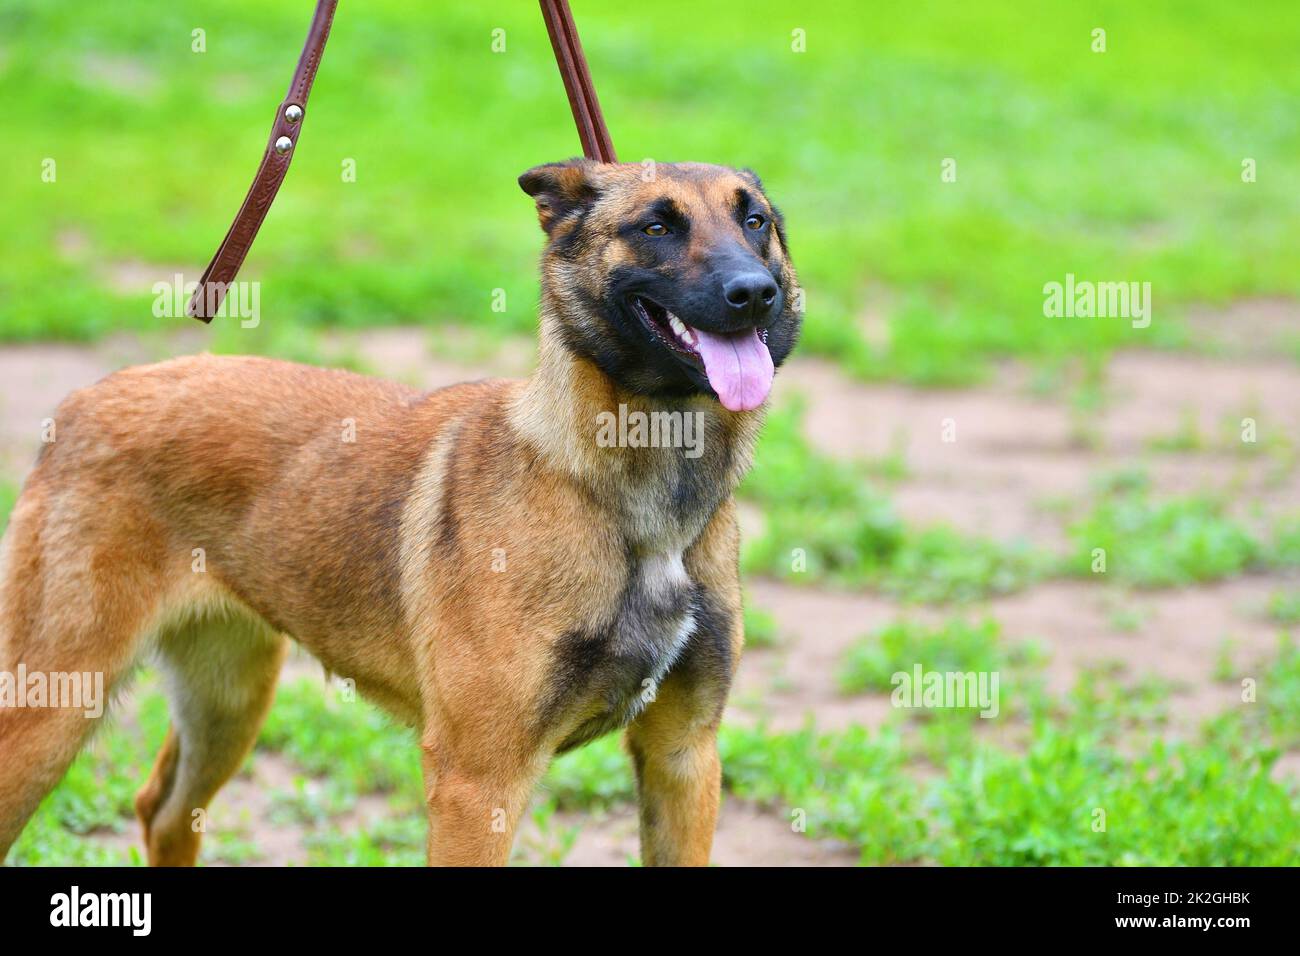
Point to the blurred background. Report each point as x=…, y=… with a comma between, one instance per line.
x=943, y=463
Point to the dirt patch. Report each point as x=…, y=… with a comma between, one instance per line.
x=794, y=682
x=433, y=359
x=989, y=461
x=133, y=277
x=122, y=74
x=1153, y=394
x=746, y=836
x=980, y=460
x=1174, y=636
x=1251, y=329
x=35, y=379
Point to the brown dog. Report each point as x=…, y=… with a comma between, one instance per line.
x=512, y=567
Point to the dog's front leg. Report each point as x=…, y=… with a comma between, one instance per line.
x=674, y=749
x=679, y=779
x=475, y=798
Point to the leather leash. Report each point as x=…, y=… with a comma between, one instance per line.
x=289, y=117
x=596, y=143
x=221, y=271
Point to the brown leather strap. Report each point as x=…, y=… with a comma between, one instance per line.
x=596, y=143
x=280, y=148
x=225, y=264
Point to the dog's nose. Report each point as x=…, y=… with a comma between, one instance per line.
x=749, y=294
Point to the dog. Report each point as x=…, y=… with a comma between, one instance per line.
x=474, y=558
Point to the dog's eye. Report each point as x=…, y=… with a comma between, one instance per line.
x=755, y=222
x=656, y=229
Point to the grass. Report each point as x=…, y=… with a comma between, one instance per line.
x=357, y=745
x=1139, y=540
x=1284, y=548
x=343, y=751
x=827, y=521
x=1281, y=689
x=397, y=841
x=96, y=795
x=761, y=629
x=1087, y=761
x=1186, y=438
x=1284, y=607
x=1123, y=165
x=955, y=645
x=845, y=785
x=8, y=495
x=590, y=778
x=1116, y=166
x=1268, y=710
x=1179, y=805
x=1207, y=803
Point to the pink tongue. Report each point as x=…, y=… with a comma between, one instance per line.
x=739, y=367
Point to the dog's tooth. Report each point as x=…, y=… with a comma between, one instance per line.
x=681, y=330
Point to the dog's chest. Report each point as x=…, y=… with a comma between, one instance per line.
x=613, y=674
x=656, y=616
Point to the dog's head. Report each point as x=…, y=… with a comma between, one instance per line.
x=673, y=278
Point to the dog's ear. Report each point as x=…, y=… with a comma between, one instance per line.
x=559, y=189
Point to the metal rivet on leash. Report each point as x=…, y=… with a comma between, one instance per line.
x=230, y=255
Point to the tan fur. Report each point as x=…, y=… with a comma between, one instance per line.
x=378, y=556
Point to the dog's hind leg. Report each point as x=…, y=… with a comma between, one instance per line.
x=220, y=673
x=74, y=605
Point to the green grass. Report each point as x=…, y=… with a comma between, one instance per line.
x=96, y=795
x=1209, y=802
x=357, y=749
x=396, y=841
x=1123, y=165
x=1101, y=703
x=1284, y=607
x=343, y=749
x=1150, y=542
x=590, y=778
x=761, y=629
x=1284, y=548
x=8, y=495
x=848, y=785
x=356, y=745
x=937, y=734
x=1272, y=712
x=1167, y=806
x=827, y=521
x=1185, y=439
x=956, y=645
x=1280, y=691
